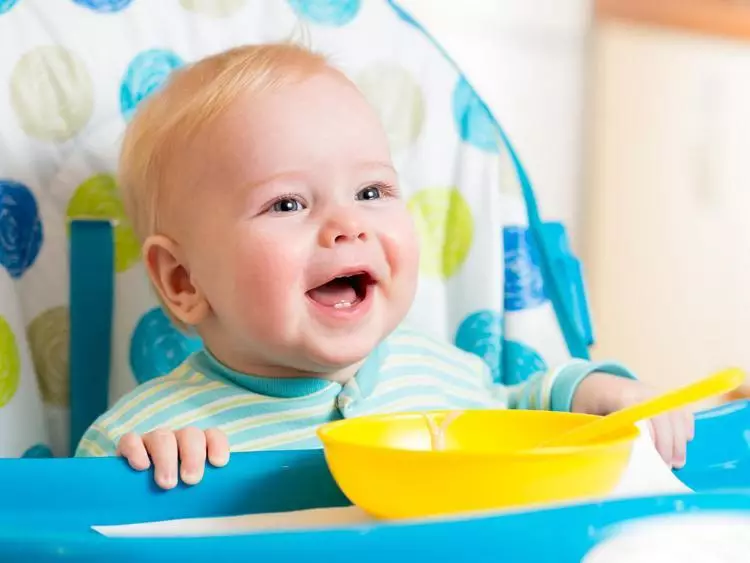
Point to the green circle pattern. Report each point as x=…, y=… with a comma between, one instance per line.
x=10, y=363
x=49, y=336
x=98, y=197
x=398, y=99
x=445, y=227
x=51, y=93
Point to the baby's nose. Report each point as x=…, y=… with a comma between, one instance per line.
x=342, y=229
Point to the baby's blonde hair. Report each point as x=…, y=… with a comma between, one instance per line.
x=191, y=99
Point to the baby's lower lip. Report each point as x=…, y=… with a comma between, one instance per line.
x=343, y=304
x=345, y=310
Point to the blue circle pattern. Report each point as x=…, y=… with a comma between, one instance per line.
x=38, y=451
x=146, y=73
x=524, y=282
x=6, y=5
x=520, y=362
x=106, y=6
x=327, y=12
x=20, y=228
x=157, y=347
x=474, y=121
x=481, y=333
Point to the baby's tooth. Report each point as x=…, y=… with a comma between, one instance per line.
x=342, y=305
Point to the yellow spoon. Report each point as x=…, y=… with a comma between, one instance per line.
x=717, y=384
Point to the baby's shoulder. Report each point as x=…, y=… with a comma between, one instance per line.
x=184, y=375
x=164, y=391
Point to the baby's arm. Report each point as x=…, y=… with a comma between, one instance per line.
x=157, y=424
x=556, y=388
x=96, y=442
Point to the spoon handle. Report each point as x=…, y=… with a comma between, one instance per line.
x=717, y=384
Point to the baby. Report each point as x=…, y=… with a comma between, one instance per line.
x=261, y=185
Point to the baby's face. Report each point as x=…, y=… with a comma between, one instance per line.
x=295, y=230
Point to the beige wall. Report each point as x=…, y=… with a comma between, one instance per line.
x=668, y=194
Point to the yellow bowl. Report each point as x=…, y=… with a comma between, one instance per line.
x=385, y=464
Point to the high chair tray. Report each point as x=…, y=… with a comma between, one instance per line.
x=47, y=508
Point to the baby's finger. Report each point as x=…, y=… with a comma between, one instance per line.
x=162, y=447
x=679, y=440
x=131, y=448
x=217, y=445
x=191, y=445
x=663, y=438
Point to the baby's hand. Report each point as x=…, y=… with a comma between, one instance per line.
x=602, y=394
x=163, y=447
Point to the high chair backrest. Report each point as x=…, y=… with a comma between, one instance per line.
x=79, y=325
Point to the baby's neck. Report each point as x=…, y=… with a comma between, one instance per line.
x=279, y=371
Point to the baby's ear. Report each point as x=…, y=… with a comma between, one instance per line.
x=171, y=278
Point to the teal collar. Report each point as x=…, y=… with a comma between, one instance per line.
x=281, y=387
x=361, y=385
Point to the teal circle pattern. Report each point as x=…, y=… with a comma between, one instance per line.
x=6, y=5
x=157, y=347
x=520, y=362
x=334, y=13
x=473, y=119
x=104, y=6
x=145, y=74
x=481, y=333
x=38, y=451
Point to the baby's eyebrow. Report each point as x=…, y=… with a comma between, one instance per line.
x=301, y=176
x=286, y=176
x=377, y=165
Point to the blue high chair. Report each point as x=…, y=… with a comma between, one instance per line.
x=524, y=273
x=49, y=506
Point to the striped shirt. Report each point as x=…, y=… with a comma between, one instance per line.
x=408, y=371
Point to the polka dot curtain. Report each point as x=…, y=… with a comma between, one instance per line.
x=72, y=72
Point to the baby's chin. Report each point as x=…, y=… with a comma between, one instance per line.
x=335, y=354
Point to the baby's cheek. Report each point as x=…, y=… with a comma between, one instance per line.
x=402, y=247
x=266, y=278
x=410, y=275
x=257, y=279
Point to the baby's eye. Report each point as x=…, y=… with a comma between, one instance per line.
x=370, y=192
x=287, y=205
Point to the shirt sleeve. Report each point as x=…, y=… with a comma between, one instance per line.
x=96, y=442
x=554, y=390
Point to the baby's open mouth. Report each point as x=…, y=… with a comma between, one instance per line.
x=343, y=292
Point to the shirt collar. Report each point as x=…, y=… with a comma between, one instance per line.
x=280, y=387
x=362, y=384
